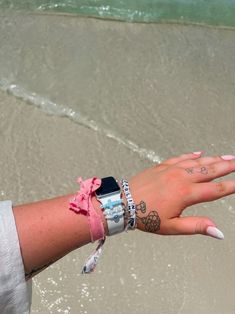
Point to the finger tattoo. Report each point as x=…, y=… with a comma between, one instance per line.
x=189, y=170
x=202, y=170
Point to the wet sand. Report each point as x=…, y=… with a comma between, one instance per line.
x=171, y=90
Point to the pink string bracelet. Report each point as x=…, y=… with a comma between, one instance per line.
x=82, y=204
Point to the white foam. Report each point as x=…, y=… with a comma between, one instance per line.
x=52, y=108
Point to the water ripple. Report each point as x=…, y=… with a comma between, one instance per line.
x=52, y=108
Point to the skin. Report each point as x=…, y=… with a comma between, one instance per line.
x=177, y=183
x=48, y=230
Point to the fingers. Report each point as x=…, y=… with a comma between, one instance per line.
x=175, y=160
x=207, y=172
x=210, y=191
x=194, y=160
x=204, y=161
x=193, y=225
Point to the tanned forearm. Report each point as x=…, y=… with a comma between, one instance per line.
x=48, y=230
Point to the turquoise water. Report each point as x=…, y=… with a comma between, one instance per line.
x=216, y=12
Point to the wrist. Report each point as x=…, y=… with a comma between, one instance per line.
x=136, y=200
x=99, y=211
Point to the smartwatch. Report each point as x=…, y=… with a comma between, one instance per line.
x=109, y=195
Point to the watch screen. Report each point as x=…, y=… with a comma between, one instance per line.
x=108, y=185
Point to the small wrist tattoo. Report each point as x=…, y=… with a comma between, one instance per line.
x=141, y=206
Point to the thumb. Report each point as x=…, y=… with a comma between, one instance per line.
x=194, y=225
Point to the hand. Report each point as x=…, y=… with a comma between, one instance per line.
x=162, y=192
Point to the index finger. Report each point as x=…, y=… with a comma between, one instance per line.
x=181, y=158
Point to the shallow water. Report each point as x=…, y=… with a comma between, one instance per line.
x=138, y=87
x=132, y=94
x=204, y=12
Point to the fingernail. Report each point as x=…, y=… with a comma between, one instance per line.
x=214, y=232
x=198, y=153
x=228, y=157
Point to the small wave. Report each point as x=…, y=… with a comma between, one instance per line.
x=213, y=13
x=52, y=108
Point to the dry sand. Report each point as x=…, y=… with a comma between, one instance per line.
x=41, y=155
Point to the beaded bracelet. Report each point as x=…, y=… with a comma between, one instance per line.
x=81, y=204
x=131, y=223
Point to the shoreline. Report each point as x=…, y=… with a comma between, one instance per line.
x=168, y=89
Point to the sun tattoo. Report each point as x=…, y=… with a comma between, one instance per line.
x=152, y=221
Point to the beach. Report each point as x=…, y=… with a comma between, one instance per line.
x=85, y=97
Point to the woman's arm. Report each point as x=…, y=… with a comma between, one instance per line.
x=48, y=230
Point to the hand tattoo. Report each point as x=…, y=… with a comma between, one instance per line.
x=202, y=170
x=141, y=206
x=152, y=221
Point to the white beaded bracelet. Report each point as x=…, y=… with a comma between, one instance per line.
x=131, y=223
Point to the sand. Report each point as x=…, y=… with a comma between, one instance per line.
x=171, y=90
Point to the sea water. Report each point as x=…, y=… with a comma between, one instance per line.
x=199, y=12
x=150, y=91
x=54, y=63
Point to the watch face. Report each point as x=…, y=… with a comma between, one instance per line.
x=108, y=185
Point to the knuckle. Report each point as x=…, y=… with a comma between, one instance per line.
x=202, y=225
x=199, y=227
x=220, y=187
x=186, y=196
x=213, y=169
x=173, y=174
x=199, y=163
x=185, y=190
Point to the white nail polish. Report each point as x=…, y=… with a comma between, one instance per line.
x=197, y=153
x=228, y=157
x=214, y=232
